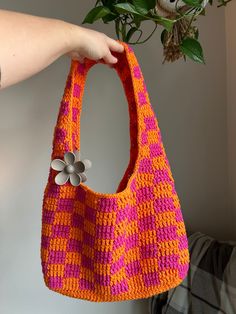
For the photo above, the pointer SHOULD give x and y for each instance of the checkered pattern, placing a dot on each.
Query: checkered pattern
(112, 247)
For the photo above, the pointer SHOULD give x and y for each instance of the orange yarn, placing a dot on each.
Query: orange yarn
(126, 245)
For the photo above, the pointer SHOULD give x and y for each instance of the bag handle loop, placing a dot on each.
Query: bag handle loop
(67, 130)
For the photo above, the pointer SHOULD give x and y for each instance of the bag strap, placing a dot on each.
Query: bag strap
(67, 130)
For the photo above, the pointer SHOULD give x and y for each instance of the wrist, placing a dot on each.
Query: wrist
(72, 36)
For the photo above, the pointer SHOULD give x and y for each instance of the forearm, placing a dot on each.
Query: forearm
(29, 44)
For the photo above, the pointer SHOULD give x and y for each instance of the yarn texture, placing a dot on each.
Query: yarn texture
(112, 247)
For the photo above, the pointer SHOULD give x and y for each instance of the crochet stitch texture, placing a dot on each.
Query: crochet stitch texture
(111, 247)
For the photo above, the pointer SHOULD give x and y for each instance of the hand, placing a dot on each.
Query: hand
(31, 43)
(87, 43)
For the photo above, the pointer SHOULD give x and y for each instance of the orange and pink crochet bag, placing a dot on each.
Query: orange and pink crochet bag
(111, 247)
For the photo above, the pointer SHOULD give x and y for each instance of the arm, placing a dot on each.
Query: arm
(31, 43)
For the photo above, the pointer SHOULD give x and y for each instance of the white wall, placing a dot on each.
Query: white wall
(190, 101)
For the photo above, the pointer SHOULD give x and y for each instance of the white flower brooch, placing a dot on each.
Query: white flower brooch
(71, 168)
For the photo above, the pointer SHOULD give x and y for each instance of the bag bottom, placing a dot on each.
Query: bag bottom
(98, 296)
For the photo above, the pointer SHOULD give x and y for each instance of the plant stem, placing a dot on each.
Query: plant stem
(143, 41)
(140, 35)
(189, 25)
(117, 27)
(123, 30)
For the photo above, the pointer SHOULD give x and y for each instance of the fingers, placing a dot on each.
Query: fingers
(114, 45)
(109, 58)
(97, 46)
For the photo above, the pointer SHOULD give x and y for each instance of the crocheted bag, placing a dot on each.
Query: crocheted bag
(111, 247)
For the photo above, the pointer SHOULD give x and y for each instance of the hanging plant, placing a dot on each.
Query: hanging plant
(179, 36)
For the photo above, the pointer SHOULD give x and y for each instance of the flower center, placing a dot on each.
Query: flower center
(69, 169)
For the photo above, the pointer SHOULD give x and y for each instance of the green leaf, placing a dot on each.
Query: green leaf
(194, 3)
(138, 19)
(143, 6)
(108, 3)
(130, 33)
(126, 8)
(109, 17)
(168, 24)
(95, 14)
(192, 48)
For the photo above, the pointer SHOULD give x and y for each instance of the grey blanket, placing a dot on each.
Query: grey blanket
(209, 288)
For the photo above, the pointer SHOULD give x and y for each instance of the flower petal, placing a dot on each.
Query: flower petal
(75, 179)
(77, 155)
(58, 164)
(61, 178)
(87, 163)
(83, 177)
(79, 167)
(69, 158)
